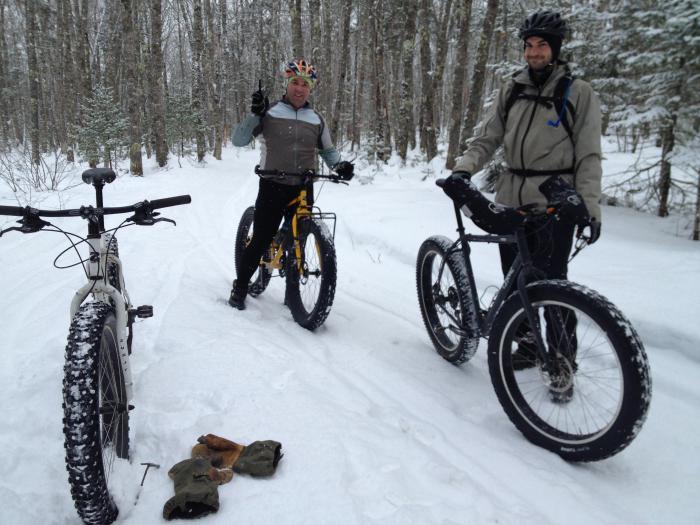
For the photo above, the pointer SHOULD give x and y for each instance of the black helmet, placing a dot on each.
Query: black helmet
(543, 23)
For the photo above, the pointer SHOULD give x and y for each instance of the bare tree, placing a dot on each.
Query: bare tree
(406, 124)
(297, 36)
(157, 80)
(129, 23)
(344, 58)
(197, 43)
(464, 13)
(31, 37)
(479, 74)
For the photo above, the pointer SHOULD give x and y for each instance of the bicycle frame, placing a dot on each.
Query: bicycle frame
(515, 279)
(102, 291)
(303, 210)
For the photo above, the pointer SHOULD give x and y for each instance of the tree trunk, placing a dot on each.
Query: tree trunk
(696, 225)
(197, 43)
(440, 59)
(33, 72)
(382, 128)
(406, 124)
(463, 13)
(479, 74)
(157, 91)
(428, 139)
(297, 37)
(4, 106)
(314, 54)
(667, 143)
(344, 59)
(132, 89)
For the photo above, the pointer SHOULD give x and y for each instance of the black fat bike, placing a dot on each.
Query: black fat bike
(586, 392)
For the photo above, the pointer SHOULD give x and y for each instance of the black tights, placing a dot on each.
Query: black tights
(270, 207)
(549, 245)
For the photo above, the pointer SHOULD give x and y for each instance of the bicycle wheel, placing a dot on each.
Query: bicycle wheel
(309, 294)
(445, 301)
(261, 278)
(95, 411)
(113, 269)
(592, 399)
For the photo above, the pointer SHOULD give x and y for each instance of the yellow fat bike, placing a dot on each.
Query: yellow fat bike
(302, 252)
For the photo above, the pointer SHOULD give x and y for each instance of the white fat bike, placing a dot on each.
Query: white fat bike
(97, 382)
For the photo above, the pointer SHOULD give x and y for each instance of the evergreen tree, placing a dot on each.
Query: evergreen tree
(104, 130)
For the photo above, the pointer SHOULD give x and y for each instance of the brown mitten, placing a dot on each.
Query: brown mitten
(260, 458)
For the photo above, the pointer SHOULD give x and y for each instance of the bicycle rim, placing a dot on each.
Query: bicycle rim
(592, 377)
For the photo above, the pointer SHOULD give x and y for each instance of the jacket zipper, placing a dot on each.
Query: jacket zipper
(522, 144)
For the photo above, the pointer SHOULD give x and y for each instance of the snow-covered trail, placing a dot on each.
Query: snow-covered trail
(376, 427)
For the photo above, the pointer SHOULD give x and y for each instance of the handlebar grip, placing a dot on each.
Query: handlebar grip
(12, 210)
(170, 201)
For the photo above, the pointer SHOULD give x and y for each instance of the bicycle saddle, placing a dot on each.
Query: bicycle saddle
(99, 176)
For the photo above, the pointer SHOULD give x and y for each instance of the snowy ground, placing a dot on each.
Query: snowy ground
(376, 427)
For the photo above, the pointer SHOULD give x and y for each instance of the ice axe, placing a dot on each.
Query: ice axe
(148, 465)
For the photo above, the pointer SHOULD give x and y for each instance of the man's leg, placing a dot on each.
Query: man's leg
(269, 208)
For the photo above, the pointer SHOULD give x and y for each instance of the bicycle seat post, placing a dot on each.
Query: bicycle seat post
(99, 184)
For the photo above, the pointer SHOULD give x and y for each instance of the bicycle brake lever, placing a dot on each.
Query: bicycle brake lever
(29, 224)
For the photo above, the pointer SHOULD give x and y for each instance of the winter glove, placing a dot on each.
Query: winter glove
(260, 458)
(489, 216)
(464, 174)
(196, 489)
(345, 170)
(259, 102)
(571, 205)
(594, 228)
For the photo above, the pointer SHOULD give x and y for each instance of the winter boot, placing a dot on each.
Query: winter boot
(238, 293)
(526, 355)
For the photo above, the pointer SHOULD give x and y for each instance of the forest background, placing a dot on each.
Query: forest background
(107, 82)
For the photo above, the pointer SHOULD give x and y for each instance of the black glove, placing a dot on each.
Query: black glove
(464, 174)
(594, 227)
(345, 170)
(259, 103)
(571, 205)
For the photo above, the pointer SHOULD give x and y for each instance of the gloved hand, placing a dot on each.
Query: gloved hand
(571, 205)
(594, 228)
(196, 489)
(345, 169)
(464, 174)
(259, 103)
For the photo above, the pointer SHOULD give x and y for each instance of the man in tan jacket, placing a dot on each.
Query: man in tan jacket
(548, 124)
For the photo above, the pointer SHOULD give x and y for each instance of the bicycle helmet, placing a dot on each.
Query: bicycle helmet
(543, 23)
(301, 69)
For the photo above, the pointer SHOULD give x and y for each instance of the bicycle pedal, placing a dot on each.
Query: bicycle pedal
(142, 311)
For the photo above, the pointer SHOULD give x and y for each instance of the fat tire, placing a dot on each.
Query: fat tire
(91, 354)
(261, 278)
(113, 269)
(626, 348)
(313, 317)
(430, 256)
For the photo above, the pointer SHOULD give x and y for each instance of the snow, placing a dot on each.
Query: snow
(375, 426)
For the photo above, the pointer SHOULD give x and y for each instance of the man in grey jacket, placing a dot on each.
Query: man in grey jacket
(548, 124)
(291, 135)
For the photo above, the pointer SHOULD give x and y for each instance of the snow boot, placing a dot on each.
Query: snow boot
(238, 294)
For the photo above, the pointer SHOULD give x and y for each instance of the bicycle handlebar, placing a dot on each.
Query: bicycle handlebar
(306, 175)
(79, 212)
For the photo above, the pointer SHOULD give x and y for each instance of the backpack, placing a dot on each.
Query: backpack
(560, 99)
(565, 111)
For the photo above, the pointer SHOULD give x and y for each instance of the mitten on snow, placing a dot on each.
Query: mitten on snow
(260, 458)
(196, 489)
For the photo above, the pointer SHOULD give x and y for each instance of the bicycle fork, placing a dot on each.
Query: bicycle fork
(103, 291)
